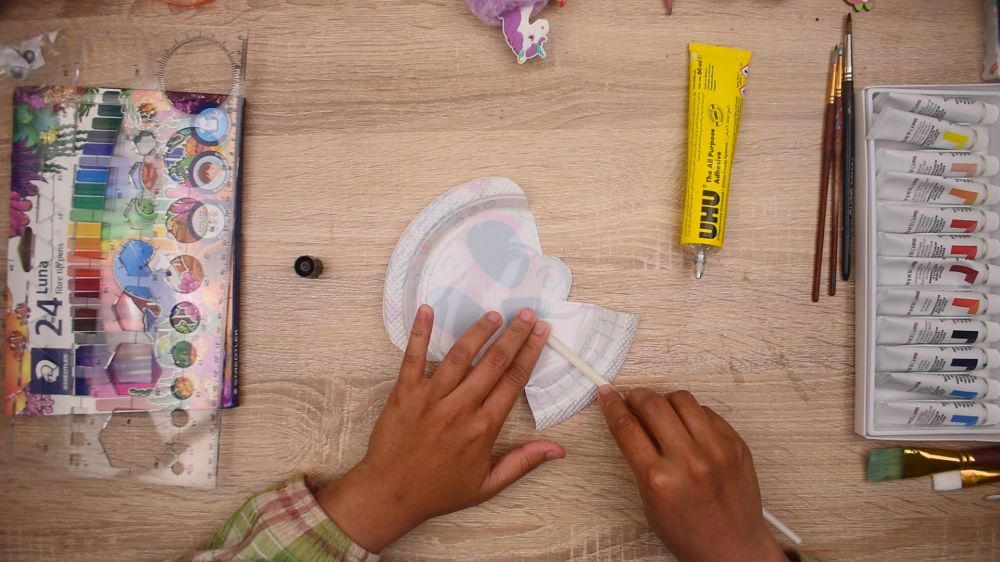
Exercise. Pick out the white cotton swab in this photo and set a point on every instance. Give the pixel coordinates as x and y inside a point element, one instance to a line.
<point>596,378</point>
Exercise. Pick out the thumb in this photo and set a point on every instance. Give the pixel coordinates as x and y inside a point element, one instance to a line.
<point>522,460</point>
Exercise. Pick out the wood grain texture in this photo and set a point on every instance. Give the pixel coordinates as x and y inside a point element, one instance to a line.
<point>360,113</point>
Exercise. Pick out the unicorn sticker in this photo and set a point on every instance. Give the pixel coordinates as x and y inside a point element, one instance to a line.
<point>523,37</point>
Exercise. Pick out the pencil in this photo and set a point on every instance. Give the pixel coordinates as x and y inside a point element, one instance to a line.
<point>591,373</point>
<point>824,176</point>
<point>838,134</point>
<point>847,206</point>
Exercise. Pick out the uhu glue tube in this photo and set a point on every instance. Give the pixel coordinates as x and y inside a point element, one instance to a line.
<point>716,80</point>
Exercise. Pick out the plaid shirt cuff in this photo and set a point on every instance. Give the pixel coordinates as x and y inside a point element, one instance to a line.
<point>283,523</point>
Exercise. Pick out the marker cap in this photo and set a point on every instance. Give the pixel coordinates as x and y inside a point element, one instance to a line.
<point>992,304</point>
<point>992,362</point>
<point>982,139</point>
<point>992,221</point>
<point>947,481</point>
<point>990,115</point>
<point>992,165</point>
<point>992,248</point>
<point>992,389</point>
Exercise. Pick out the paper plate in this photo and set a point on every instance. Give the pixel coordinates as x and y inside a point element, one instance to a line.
<point>475,249</point>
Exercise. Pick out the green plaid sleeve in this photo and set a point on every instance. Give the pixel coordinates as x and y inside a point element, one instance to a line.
<point>284,524</point>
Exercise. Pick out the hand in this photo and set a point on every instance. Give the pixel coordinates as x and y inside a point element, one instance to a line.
<point>431,450</point>
<point>696,478</point>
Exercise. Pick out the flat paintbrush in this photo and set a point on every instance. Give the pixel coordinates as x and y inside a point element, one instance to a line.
<point>896,463</point>
<point>599,381</point>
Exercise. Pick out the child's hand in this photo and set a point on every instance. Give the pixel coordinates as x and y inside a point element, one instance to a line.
<point>431,450</point>
<point>697,481</point>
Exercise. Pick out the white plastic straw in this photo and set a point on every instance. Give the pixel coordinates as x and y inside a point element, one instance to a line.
<point>781,527</point>
<point>596,378</point>
<point>588,371</point>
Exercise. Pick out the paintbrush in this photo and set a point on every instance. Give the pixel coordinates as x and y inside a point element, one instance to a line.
<point>599,380</point>
<point>895,463</point>
<point>958,479</point>
<point>838,134</point>
<point>847,205</point>
<point>824,174</point>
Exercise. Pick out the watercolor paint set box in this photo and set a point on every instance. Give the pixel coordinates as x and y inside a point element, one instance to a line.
<point>122,253</point>
<point>928,263</point>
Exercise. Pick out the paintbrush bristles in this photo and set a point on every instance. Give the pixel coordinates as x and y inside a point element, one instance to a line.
<point>885,464</point>
<point>850,23</point>
<point>896,463</point>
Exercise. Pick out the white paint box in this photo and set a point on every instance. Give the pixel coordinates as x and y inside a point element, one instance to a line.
<point>865,268</point>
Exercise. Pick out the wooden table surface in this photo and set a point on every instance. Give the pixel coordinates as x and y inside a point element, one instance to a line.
<point>360,113</point>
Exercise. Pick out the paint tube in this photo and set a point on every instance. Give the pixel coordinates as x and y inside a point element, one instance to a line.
<point>933,358</point>
<point>922,302</point>
<point>916,188</point>
<point>937,331</point>
<point>716,80</point>
<point>962,386</point>
<point>958,479</point>
<point>913,219</point>
<point>910,128</point>
<point>948,164</point>
<point>937,246</point>
<point>957,109</point>
<point>925,413</point>
<point>937,273</point>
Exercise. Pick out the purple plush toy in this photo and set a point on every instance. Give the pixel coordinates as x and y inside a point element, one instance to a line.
<point>523,36</point>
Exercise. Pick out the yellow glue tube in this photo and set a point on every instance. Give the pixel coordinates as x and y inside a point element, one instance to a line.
<point>715,96</point>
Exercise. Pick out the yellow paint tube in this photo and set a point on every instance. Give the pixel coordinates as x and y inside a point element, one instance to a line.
<point>717,78</point>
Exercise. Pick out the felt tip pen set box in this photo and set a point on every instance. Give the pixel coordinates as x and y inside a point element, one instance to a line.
<point>122,277</point>
<point>880,277</point>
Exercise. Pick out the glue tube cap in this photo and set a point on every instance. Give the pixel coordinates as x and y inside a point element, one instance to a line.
<point>992,165</point>
<point>991,114</point>
<point>982,139</point>
<point>948,481</point>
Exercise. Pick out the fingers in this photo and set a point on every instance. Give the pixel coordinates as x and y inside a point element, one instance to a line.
<point>692,415</point>
<point>658,415</point>
<point>522,460</point>
<point>497,358</point>
<point>415,356</point>
<point>631,438</point>
<point>458,361</point>
<point>720,424</point>
<point>729,435</point>
<point>505,392</point>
